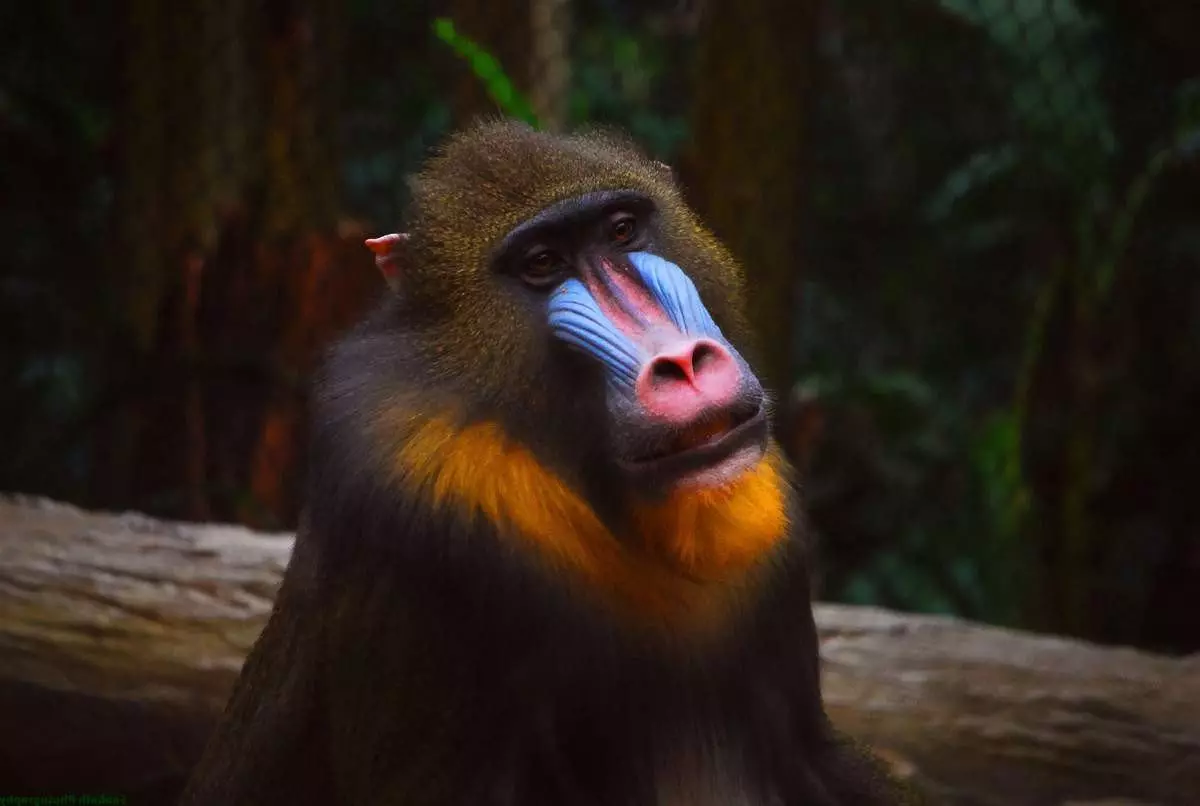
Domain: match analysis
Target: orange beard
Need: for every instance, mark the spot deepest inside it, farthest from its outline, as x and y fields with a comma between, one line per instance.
x=691, y=554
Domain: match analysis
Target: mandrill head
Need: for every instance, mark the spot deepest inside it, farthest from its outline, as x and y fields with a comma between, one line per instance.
x=586, y=337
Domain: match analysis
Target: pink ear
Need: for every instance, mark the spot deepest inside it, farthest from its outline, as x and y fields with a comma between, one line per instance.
x=388, y=251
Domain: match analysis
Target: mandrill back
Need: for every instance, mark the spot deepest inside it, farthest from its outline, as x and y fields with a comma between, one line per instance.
x=551, y=554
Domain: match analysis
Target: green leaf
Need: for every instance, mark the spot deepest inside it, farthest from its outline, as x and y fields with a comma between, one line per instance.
x=980, y=171
x=488, y=69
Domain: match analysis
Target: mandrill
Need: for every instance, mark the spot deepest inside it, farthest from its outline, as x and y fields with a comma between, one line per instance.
x=550, y=554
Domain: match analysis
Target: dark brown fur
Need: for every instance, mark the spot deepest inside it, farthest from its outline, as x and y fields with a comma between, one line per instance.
x=413, y=657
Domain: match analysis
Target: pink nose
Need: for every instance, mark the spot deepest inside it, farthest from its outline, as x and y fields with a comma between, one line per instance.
x=681, y=381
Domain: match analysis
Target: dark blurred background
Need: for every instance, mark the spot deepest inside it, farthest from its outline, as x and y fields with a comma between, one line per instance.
x=972, y=229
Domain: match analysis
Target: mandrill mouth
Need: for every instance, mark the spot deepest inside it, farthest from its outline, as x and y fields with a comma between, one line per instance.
x=714, y=449
x=705, y=432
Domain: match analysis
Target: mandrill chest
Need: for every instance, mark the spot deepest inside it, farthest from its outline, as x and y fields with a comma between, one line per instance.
x=649, y=746
x=700, y=772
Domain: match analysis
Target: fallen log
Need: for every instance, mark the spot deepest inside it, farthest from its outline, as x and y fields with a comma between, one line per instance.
x=120, y=636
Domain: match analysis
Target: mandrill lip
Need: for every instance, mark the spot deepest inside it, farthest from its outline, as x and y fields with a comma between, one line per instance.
x=716, y=439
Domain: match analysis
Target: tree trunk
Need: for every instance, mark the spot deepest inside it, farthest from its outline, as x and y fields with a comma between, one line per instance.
x=232, y=268
x=550, y=77
x=745, y=164
x=121, y=636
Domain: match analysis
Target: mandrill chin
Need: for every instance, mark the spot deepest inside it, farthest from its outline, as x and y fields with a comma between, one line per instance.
x=550, y=553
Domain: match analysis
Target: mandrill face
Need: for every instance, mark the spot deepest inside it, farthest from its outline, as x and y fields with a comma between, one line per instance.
x=586, y=338
x=683, y=407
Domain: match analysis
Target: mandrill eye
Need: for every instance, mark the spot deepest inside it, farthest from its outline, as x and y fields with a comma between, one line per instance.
x=623, y=228
x=542, y=268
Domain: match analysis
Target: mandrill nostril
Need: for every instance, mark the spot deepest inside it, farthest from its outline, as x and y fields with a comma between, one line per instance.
x=703, y=357
x=670, y=370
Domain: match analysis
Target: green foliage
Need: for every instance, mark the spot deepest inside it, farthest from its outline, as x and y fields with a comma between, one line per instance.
x=980, y=170
x=939, y=479
x=1029, y=207
x=618, y=74
x=484, y=65
x=1054, y=80
x=1183, y=143
x=1064, y=142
